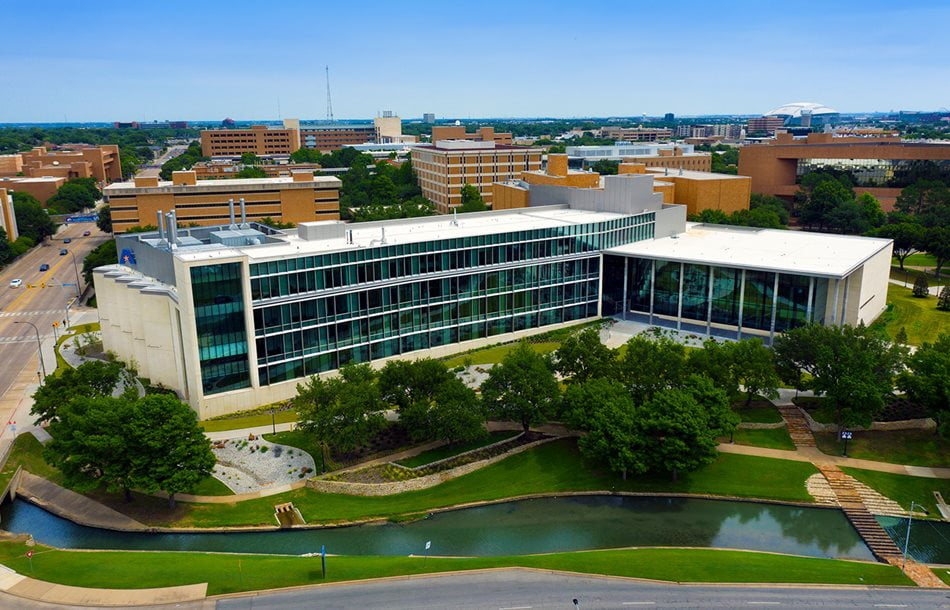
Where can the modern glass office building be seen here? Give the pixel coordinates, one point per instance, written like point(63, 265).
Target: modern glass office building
point(236, 316)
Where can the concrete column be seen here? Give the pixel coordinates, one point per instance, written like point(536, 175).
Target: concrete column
point(709, 301)
point(834, 308)
point(810, 307)
point(679, 300)
point(741, 303)
point(626, 264)
point(600, 286)
point(844, 302)
point(652, 287)
point(774, 310)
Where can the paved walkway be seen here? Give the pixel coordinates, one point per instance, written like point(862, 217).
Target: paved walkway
point(933, 290)
point(848, 497)
point(51, 593)
point(73, 506)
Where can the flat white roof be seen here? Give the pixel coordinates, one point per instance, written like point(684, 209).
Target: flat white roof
point(413, 230)
point(800, 252)
point(228, 184)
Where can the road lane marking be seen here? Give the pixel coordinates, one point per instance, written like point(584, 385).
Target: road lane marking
point(517, 608)
point(764, 603)
point(890, 605)
point(638, 604)
point(54, 268)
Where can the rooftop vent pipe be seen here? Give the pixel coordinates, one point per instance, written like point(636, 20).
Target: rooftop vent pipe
point(383, 238)
point(231, 213)
point(171, 225)
point(243, 215)
point(455, 217)
point(161, 225)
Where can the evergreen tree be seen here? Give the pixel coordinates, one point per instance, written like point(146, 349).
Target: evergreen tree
point(943, 301)
point(921, 287)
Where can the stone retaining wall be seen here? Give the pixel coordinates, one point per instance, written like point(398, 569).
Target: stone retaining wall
point(761, 426)
point(455, 457)
point(397, 487)
point(924, 423)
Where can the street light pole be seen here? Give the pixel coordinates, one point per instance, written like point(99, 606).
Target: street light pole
point(910, 518)
point(39, 344)
point(76, 269)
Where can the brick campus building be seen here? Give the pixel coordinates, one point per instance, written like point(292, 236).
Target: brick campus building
point(881, 166)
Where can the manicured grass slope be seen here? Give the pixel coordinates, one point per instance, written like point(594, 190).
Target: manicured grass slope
point(903, 489)
point(492, 355)
point(248, 421)
point(551, 467)
point(226, 573)
point(920, 318)
point(912, 447)
point(771, 438)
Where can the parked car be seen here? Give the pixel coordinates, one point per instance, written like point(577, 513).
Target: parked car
point(86, 233)
point(16, 283)
point(63, 251)
point(67, 240)
point(44, 267)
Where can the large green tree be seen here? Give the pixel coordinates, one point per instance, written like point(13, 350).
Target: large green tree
point(343, 411)
point(926, 380)
point(936, 242)
point(90, 443)
point(521, 388)
point(854, 367)
point(907, 236)
point(90, 379)
point(604, 410)
point(583, 356)
point(104, 220)
point(31, 219)
point(103, 254)
point(73, 196)
point(456, 415)
point(472, 200)
point(168, 450)
point(652, 364)
point(754, 368)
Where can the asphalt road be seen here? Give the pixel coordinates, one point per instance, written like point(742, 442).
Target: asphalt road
point(45, 302)
point(155, 167)
point(524, 590)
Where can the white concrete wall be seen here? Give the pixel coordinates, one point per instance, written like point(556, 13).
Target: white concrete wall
point(872, 298)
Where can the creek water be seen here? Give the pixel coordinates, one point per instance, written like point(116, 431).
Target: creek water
point(541, 525)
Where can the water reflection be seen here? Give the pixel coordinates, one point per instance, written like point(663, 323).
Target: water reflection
point(929, 540)
point(529, 526)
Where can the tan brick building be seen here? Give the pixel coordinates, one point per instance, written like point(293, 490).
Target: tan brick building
point(445, 166)
point(636, 134)
point(99, 162)
point(302, 197)
point(876, 162)
point(482, 134)
point(42, 188)
point(262, 140)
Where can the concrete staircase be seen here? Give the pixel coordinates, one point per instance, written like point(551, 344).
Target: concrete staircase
point(797, 426)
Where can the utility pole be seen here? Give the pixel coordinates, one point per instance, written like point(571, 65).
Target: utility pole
point(39, 344)
point(329, 101)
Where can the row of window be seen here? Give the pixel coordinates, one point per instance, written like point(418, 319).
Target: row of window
point(319, 363)
point(446, 290)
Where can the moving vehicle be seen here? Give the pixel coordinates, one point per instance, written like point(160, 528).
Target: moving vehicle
point(44, 267)
point(86, 233)
point(67, 240)
point(16, 283)
point(63, 252)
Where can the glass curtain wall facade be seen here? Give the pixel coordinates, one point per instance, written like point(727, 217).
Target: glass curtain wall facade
point(709, 294)
point(316, 313)
point(217, 294)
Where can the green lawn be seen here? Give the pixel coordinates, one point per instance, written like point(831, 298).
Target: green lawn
point(230, 573)
point(771, 438)
point(909, 276)
point(212, 487)
point(28, 452)
point(761, 411)
point(447, 451)
point(248, 421)
point(903, 489)
point(820, 408)
point(943, 574)
point(551, 467)
point(497, 353)
point(919, 318)
point(912, 447)
point(299, 439)
point(920, 259)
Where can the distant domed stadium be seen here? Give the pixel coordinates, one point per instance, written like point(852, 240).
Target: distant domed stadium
point(805, 114)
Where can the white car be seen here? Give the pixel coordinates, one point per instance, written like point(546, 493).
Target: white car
point(16, 283)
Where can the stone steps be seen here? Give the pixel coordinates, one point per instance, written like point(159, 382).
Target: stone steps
point(797, 426)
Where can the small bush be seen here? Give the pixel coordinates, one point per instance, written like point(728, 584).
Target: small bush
point(921, 287)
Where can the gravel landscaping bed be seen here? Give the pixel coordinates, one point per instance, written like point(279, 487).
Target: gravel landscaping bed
point(246, 465)
point(390, 472)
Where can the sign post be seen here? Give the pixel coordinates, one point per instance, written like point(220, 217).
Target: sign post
point(846, 436)
point(323, 559)
point(428, 546)
point(29, 555)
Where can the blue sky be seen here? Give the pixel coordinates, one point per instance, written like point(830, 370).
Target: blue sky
point(109, 60)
